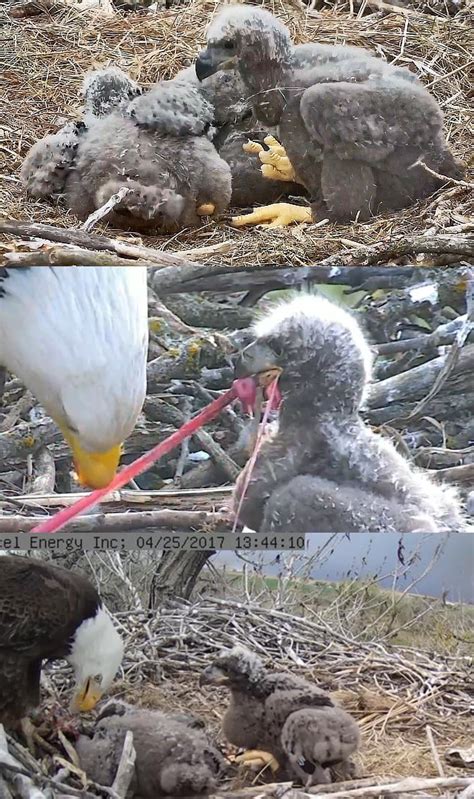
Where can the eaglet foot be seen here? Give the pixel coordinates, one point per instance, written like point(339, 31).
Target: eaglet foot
point(275, 163)
point(257, 758)
point(206, 209)
point(276, 215)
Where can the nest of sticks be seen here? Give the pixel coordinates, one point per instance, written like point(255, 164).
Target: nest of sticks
point(48, 55)
point(412, 706)
point(419, 398)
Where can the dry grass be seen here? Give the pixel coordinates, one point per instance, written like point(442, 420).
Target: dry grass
point(47, 56)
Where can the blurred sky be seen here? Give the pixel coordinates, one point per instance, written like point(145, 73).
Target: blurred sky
point(337, 557)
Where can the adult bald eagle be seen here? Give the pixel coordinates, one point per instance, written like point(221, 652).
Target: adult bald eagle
point(299, 728)
point(352, 126)
point(325, 470)
point(77, 338)
point(48, 613)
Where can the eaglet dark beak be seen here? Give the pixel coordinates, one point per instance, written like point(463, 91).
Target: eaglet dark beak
point(205, 65)
point(210, 61)
point(212, 675)
point(259, 360)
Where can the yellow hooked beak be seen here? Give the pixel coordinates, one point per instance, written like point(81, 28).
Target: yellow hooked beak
point(94, 469)
point(86, 696)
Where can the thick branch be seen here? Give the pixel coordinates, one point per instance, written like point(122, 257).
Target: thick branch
point(158, 521)
point(176, 575)
point(257, 279)
point(92, 241)
point(415, 383)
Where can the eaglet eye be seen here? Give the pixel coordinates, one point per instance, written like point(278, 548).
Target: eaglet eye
point(228, 44)
point(277, 347)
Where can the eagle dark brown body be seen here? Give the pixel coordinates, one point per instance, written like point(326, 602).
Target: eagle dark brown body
point(41, 606)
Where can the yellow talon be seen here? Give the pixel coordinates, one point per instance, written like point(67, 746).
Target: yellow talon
point(271, 172)
point(275, 162)
point(274, 145)
point(276, 215)
point(256, 758)
point(252, 147)
point(206, 209)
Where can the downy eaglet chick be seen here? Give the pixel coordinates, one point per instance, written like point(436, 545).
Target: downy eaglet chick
point(155, 147)
point(352, 126)
point(238, 136)
point(50, 161)
point(281, 719)
point(173, 757)
point(325, 470)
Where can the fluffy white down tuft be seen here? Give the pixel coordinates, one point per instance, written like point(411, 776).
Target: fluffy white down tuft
point(77, 337)
point(310, 315)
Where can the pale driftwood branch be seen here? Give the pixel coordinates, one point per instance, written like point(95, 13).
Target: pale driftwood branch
point(126, 767)
point(44, 479)
point(455, 474)
point(5, 792)
point(257, 279)
point(52, 255)
point(92, 241)
point(22, 782)
point(160, 521)
point(432, 244)
point(434, 751)
point(444, 334)
point(417, 381)
point(408, 785)
point(124, 497)
point(455, 351)
point(24, 405)
point(269, 277)
point(365, 789)
point(105, 209)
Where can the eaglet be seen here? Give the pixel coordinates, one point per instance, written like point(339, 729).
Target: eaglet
point(173, 756)
point(238, 136)
point(325, 470)
point(352, 126)
point(50, 161)
point(155, 147)
point(297, 727)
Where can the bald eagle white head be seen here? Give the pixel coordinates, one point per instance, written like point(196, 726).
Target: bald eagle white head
point(96, 655)
point(77, 337)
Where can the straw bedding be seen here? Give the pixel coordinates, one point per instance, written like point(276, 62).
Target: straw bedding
point(47, 56)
